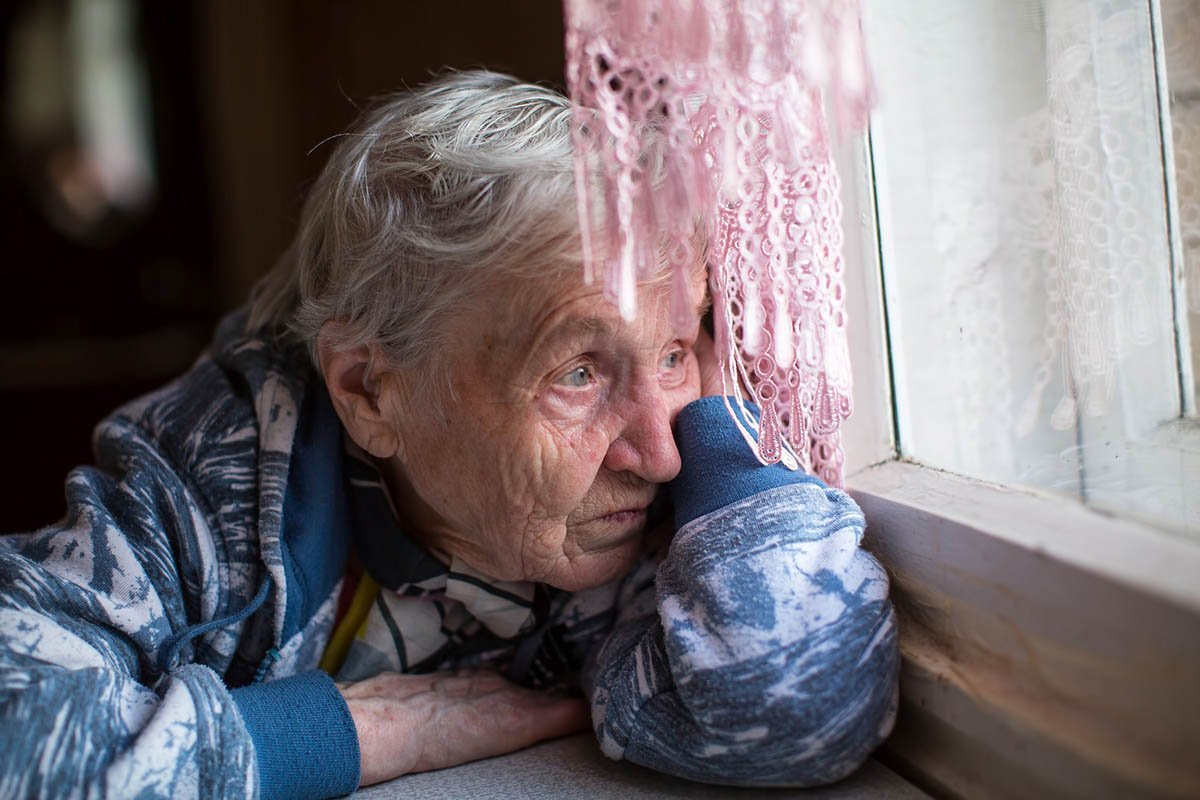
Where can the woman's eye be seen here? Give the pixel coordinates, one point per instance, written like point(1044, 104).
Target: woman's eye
point(577, 378)
point(672, 360)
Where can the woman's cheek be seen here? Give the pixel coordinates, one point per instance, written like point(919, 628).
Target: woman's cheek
point(568, 461)
point(571, 425)
point(564, 444)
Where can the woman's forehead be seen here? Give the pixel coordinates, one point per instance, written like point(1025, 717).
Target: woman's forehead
point(571, 307)
point(539, 315)
point(522, 319)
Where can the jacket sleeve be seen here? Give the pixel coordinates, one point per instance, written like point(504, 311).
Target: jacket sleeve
point(763, 652)
point(99, 695)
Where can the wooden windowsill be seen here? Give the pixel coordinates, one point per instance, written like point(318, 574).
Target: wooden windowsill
point(1049, 650)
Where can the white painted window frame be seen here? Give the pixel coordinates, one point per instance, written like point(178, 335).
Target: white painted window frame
point(1048, 649)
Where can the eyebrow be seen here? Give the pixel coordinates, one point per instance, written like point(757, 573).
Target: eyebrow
point(595, 326)
point(598, 326)
point(576, 327)
point(566, 329)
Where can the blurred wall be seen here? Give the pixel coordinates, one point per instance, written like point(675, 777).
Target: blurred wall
point(240, 98)
point(283, 76)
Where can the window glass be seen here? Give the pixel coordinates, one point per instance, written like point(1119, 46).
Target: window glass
point(1027, 259)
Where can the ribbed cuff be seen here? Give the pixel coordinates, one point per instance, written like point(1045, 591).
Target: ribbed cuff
point(718, 466)
point(304, 737)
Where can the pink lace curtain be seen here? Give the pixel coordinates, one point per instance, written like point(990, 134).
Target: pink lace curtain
point(713, 113)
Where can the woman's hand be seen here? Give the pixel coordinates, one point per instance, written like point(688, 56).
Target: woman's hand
point(413, 723)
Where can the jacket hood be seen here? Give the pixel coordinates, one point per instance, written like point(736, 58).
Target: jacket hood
point(275, 379)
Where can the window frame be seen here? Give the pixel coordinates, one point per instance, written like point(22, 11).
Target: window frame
point(1048, 648)
point(1042, 654)
point(1183, 346)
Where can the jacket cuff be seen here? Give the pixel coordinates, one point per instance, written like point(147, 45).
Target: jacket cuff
point(303, 734)
point(718, 466)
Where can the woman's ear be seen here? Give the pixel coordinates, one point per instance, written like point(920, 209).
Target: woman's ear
point(357, 383)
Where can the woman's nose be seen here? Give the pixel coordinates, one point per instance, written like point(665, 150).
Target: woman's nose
point(646, 446)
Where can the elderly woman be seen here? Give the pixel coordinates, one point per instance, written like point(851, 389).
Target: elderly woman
point(435, 464)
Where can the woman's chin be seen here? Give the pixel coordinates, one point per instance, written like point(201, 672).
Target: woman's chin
point(612, 548)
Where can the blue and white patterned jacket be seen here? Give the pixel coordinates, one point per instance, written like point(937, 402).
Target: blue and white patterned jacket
point(162, 639)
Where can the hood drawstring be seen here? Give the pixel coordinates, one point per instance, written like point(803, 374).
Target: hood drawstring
point(169, 652)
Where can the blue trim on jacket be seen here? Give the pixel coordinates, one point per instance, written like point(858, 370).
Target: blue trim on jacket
point(718, 467)
point(316, 511)
point(305, 739)
point(304, 736)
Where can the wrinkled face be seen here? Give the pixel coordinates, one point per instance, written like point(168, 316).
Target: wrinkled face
point(558, 437)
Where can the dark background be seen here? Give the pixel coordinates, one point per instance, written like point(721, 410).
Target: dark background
point(241, 93)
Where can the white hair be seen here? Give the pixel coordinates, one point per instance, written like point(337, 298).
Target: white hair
point(431, 194)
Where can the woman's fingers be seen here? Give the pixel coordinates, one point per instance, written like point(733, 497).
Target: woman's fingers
point(710, 371)
point(495, 718)
point(413, 723)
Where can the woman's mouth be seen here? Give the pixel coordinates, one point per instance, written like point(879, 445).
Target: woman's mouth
point(627, 516)
point(616, 529)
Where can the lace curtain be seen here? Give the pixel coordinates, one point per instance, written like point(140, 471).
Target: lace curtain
point(712, 113)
